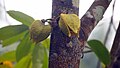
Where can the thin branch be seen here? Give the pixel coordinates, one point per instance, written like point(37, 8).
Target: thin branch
point(114, 27)
point(111, 23)
point(87, 51)
point(93, 16)
point(115, 51)
point(87, 47)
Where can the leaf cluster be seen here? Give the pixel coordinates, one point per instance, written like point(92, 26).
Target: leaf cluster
point(26, 52)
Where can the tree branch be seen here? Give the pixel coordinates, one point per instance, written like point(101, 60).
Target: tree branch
point(115, 51)
point(61, 55)
point(93, 16)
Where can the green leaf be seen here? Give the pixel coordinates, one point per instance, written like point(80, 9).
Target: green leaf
point(38, 56)
point(25, 62)
point(9, 56)
point(10, 31)
point(24, 47)
point(13, 39)
point(100, 50)
point(46, 43)
point(45, 61)
point(23, 18)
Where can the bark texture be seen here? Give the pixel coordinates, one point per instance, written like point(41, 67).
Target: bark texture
point(115, 52)
point(61, 54)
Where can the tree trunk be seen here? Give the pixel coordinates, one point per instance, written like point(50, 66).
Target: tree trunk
point(115, 51)
point(61, 54)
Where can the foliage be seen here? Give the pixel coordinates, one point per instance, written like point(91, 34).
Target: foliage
point(23, 18)
point(31, 55)
point(100, 50)
point(10, 56)
point(26, 50)
point(37, 59)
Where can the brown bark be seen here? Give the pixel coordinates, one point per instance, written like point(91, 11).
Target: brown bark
point(61, 55)
point(115, 51)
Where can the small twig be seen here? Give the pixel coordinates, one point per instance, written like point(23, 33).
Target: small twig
point(87, 47)
point(111, 22)
point(88, 51)
point(50, 20)
point(114, 27)
point(46, 20)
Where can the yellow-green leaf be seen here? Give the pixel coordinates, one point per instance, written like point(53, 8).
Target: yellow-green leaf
point(46, 43)
point(69, 24)
point(25, 62)
point(65, 29)
point(45, 60)
point(9, 56)
point(38, 56)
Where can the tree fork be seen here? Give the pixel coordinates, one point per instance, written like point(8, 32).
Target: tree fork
point(61, 55)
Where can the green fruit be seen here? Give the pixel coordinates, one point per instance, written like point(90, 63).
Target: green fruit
point(39, 31)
